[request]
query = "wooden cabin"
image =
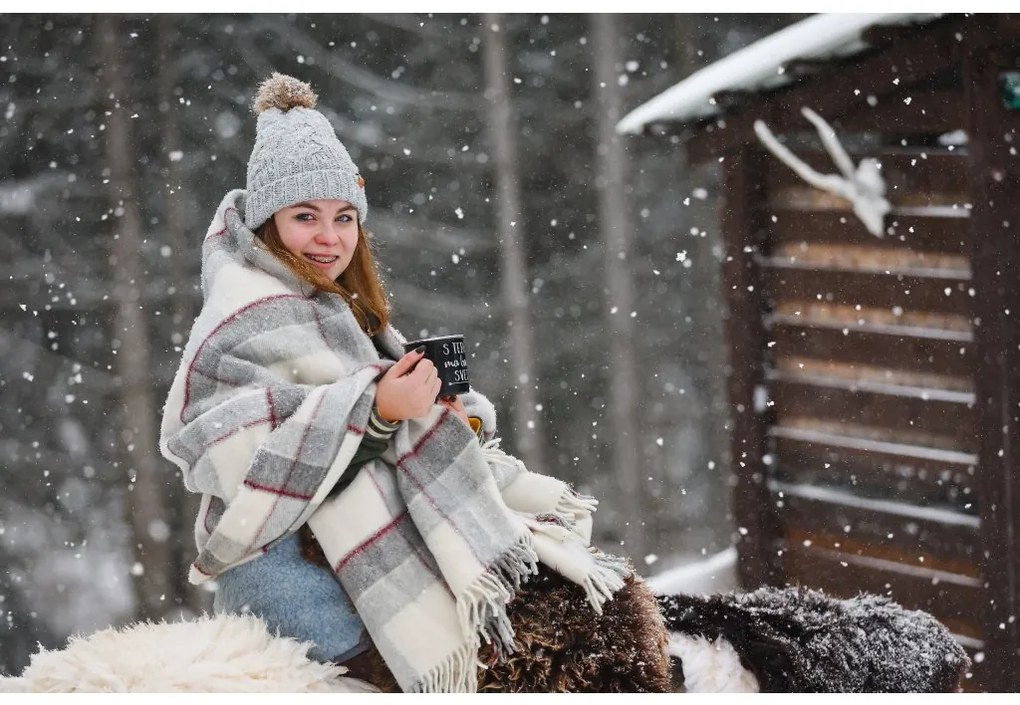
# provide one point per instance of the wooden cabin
(874, 379)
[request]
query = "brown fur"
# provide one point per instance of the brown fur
(562, 645)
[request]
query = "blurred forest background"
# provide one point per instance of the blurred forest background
(582, 267)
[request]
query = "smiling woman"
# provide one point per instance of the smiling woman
(344, 502)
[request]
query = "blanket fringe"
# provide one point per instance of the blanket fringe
(575, 503)
(456, 674)
(605, 579)
(575, 507)
(494, 454)
(482, 606)
(572, 506)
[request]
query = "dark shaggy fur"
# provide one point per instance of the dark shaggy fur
(562, 645)
(799, 640)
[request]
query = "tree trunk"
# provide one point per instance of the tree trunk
(178, 228)
(145, 496)
(624, 385)
(527, 427)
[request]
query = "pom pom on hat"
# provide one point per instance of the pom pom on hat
(283, 92)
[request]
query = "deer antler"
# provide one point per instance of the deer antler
(864, 186)
(831, 142)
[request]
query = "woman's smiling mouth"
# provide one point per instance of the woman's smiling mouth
(324, 260)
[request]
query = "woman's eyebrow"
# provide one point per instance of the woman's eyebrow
(305, 204)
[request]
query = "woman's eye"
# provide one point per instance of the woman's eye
(303, 217)
(344, 218)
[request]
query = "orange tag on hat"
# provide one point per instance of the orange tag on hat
(361, 181)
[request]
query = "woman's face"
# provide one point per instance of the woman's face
(323, 232)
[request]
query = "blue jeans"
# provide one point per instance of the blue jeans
(297, 599)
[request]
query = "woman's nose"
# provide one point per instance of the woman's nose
(328, 234)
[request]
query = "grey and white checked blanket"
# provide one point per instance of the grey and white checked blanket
(269, 404)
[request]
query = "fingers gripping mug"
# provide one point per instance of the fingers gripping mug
(450, 358)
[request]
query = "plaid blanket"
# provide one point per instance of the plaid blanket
(269, 404)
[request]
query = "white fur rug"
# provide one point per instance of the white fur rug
(711, 666)
(221, 653)
(237, 654)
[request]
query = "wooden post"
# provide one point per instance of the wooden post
(743, 229)
(994, 176)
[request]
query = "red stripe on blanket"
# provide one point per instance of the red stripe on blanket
(360, 548)
(272, 408)
(318, 324)
(417, 483)
(228, 434)
(276, 491)
(355, 429)
(421, 441)
(229, 319)
(290, 472)
(224, 231)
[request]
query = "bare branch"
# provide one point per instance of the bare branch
(359, 77)
(423, 304)
(419, 234)
(410, 24)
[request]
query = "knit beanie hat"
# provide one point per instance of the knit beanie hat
(297, 156)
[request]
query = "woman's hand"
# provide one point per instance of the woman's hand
(408, 389)
(454, 404)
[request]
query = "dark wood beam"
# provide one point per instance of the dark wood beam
(743, 228)
(803, 68)
(995, 256)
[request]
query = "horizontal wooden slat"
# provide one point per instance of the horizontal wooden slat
(819, 255)
(908, 171)
(921, 233)
(801, 197)
(938, 539)
(887, 347)
(909, 292)
(956, 600)
(894, 470)
(918, 232)
(928, 111)
(907, 409)
(871, 374)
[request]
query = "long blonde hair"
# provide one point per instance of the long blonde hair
(359, 284)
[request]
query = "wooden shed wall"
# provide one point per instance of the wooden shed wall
(874, 423)
(866, 364)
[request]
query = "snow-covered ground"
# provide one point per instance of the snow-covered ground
(698, 575)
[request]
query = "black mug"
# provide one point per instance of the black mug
(450, 358)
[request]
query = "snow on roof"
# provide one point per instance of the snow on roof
(760, 65)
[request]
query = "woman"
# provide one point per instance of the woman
(295, 410)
